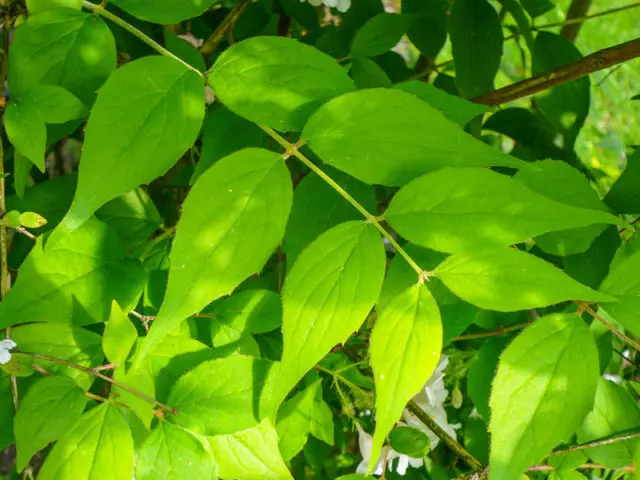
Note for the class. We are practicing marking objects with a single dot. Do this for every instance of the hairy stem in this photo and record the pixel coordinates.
(96, 373)
(596, 443)
(442, 435)
(599, 60)
(100, 10)
(292, 150)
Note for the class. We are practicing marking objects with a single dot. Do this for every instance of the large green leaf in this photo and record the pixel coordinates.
(507, 280)
(241, 204)
(98, 446)
(146, 116)
(62, 47)
(277, 81)
(328, 294)
(251, 454)
(171, 453)
(74, 281)
(379, 34)
(224, 396)
(427, 24)
(623, 283)
(405, 347)
(458, 210)
(614, 412)
(51, 408)
(544, 388)
(476, 44)
(65, 342)
(26, 131)
(390, 137)
(164, 11)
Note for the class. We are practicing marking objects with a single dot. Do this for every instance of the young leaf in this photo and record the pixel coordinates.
(277, 81)
(74, 281)
(614, 412)
(623, 283)
(119, 335)
(50, 408)
(128, 138)
(250, 454)
(171, 453)
(405, 347)
(62, 47)
(379, 34)
(224, 396)
(98, 446)
(476, 44)
(390, 137)
(456, 109)
(545, 386)
(165, 12)
(248, 214)
(65, 342)
(26, 131)
(508, 280)
(486, 209)
(328, 294)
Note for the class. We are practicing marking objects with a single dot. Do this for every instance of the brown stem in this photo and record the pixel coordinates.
(577, 9)
(458, 449)
(596, 443)
(211, 43)
(96, 373)
(615, 331)
(586, 466)
(599, 60)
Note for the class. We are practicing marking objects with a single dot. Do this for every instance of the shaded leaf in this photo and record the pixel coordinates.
(119, 335)
(378, 34)
(164, 12)
(623, 283)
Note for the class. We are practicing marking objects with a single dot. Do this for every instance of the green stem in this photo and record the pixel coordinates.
(584, 18)
(613, 329)
(292, 150)
(100, 10)
(596, 443)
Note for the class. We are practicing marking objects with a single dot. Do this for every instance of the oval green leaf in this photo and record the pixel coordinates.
(544, 388)
(508, 280)
(389, 137)
(623, 283)
(277, 81)
(378, 34)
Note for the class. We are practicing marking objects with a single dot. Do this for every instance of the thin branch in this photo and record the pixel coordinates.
(582, 19)
(599, 60)
(96, 373)
(577, 11)
(615, 331)
(494, 333)
(586, 466)
(211, 44)
(99, 10)
(596, 443)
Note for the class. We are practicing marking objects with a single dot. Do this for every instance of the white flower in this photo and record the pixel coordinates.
(6, 346)
(365, 441)
(341, 5)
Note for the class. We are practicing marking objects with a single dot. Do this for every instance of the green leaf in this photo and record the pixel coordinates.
(294, 421)
(623, 284)
(508, 280)
(12, 219)
(318, 207)
(74, 281)
(37, 6)
(21, 171)
(26, 131)
(426, 24)
(592, 266)
(476, 43)
(456, 109)
(481, 373)
(171, 453)
(247, 214)
(545, 386)
(614, 413)
(390, 137)
(570, 460)
(32, 220)
(328, 294)
(224, 396)
(535, 8)
(7, 411)
(487, 210)
(119, 335)
(277, 81)
(410, 441)
(50, 408)
(61, 47)
(251, 454)
(166, 12)
(565, 106)
(147, 115)
(624, 196)
(64, 342)
(55, 104)
(98, 446)
(378, 34)
(184, 50)
(368, 74)
(405, 347)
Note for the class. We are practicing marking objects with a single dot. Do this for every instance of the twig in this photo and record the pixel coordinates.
(584, 18)
(96, 373)
(458, 449)
(494, 333)
(575, 17)
(586, 466)
(599, 60)
(211, 44)
(615, 331)
(596, 443)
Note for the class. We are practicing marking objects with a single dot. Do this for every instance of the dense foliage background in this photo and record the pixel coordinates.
(280, 239)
